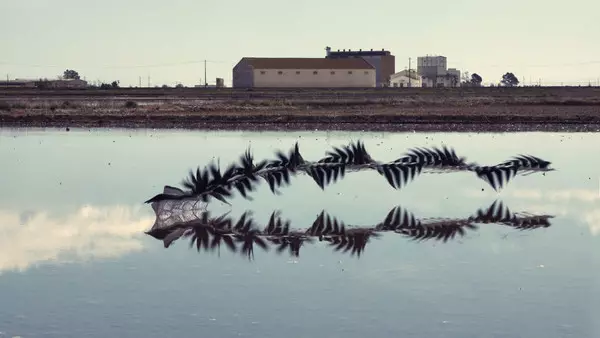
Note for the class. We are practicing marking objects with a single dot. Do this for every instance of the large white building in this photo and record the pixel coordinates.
(405, 79)
(303, 73)
(434, 72)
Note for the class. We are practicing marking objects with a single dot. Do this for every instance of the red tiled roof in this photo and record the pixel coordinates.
(308, 63)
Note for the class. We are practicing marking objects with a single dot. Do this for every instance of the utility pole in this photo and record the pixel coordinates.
(139, 81)
(7, 81)
(205, 82)
(409, 77)
(148, 81)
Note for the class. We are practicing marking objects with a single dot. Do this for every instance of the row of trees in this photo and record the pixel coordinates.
(508, 80)
(471, 81)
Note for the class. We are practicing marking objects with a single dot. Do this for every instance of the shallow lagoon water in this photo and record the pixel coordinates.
(74, 259)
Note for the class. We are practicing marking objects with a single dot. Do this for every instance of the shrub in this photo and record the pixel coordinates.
(131, 104)
(19, 105)
(4, 105)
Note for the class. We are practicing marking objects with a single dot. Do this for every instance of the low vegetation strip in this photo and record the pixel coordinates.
(386, 109)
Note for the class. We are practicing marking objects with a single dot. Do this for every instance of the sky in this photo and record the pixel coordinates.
(166, 42)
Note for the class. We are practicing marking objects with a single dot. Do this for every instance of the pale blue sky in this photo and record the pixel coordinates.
(557, 41)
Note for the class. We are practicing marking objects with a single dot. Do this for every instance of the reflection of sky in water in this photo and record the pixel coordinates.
(76, 198)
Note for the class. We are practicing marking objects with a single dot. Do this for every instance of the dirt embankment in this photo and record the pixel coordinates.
(472, 109)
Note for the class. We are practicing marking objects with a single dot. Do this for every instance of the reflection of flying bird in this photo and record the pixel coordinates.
(245, 176)
(209, 233)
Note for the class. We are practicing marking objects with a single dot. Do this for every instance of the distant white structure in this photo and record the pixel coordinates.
(67, 83)
(303, 73)
(405, 79)
(434, 72)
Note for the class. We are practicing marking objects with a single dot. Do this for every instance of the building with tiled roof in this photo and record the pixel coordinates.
(253, 72)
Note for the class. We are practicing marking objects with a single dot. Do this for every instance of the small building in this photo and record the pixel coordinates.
(450, 79)
(434, 72)
(252, 72)
(405, 79)
(67, 83)
(219, 83)
(382, 60)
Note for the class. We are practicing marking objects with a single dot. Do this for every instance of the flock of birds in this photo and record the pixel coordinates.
(245, 176)
(181, 212)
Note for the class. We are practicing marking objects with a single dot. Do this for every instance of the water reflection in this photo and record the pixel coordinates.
(242, 235)
(90, 232)
(579, 203)
(494, 281)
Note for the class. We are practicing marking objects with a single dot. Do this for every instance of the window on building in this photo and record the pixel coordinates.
(297, 72)
(366, 72)
(332, 72)
(350, 72)
(280, 72)
(262, 72)
(315, 72)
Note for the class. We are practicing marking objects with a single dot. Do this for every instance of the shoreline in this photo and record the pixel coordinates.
(461, 110)
(389, 123)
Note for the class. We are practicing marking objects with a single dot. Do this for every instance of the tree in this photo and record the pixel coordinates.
(42, 84)
(113, 85)
(476, 80)
(70, 74)
(465, 79)
(509, 80)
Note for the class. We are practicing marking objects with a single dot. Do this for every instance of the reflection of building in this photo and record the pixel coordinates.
(403, 79)
(383, 61)
(303, 72)
(434, 73)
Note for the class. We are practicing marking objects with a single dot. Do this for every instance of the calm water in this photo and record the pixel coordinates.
(74, 260)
